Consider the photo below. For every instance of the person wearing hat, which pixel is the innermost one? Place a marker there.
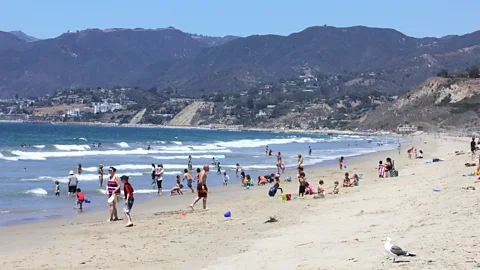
(72, 184)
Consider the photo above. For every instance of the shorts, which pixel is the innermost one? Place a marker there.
(159, 183)
(301, 189)
(79, 204)
(189, 183)
(57, 193)
(129, 206)
(72, 189)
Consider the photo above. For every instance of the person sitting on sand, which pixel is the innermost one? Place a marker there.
(248, 180)
(320, 189)
(355, 180)
(309, 190)
(420, 154)
(336, 188)
(273, 189)
(346, 180)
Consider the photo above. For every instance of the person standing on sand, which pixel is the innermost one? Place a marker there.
(473, 147)
(100, 175)
(300, 163)
(159, 178)
(340, 162)
(202, 188)
(113, 189)
(129, 200)
(237, 166)
(72, 184)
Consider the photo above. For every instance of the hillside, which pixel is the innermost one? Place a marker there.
(189, 115)
(170, 58)
(24, 36)
(438, 102)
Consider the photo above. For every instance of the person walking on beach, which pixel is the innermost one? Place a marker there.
(72, 184)
(202, 188)
(159, 178)
(100, 175)
(113, 189)
(340, 162)
(128, 192)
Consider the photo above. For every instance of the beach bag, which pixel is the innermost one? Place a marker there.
(393, 173)
(272, 191)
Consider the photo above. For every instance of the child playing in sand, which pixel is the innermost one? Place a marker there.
(302, 181)
(80, 199)
(336, 188)
(202, 191)
(274, 188)
(225, 179)
(320, 189)
(355, 180)
(381, 169)
(177, 188)
(128, 191)
(57, 188)
(346, 180)
(309, 190)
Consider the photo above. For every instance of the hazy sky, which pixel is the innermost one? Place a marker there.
(418, 18)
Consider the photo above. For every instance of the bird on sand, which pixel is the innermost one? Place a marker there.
(395, 251)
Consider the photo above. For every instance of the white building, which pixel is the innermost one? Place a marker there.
(106, 107)
(74, 113)
(406, 129)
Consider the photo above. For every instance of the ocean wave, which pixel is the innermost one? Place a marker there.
(138, 151)
(71, 147)
(36, 192)
(39, 146)
(8, 158)
(260, 142)
(4, 212)
(123, 144)
(82, 177)
(81, 139)
(186, 157)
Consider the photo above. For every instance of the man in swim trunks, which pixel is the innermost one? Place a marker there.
(188, 177)
(202, 188)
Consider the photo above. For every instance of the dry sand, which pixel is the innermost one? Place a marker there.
(339, 232)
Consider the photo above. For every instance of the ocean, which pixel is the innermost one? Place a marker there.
(28, 174)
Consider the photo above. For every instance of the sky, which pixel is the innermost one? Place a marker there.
(417, 18)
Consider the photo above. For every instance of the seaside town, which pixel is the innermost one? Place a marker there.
(272, 140)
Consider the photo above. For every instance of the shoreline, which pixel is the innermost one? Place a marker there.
(213, 127)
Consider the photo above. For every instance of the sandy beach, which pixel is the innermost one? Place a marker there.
(339, 232)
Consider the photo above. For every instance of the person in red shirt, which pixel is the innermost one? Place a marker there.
(128, 191)
(80, 199)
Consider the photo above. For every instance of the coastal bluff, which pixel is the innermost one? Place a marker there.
(189, 116)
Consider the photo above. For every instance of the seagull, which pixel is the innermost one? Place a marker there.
(395, 251)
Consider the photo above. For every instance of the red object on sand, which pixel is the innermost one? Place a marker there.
(289, 197)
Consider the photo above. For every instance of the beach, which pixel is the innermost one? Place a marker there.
(341, 231)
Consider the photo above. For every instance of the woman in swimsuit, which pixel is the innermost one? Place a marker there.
(188, 177)
(113, 188)
(159, 178)
(300, 163)
(100, 175)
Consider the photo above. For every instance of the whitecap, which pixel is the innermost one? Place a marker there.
(39, 146)
(123, 144)
(71, 147)
(36, 192)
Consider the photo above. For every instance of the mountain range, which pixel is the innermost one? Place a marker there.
(374, 58)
